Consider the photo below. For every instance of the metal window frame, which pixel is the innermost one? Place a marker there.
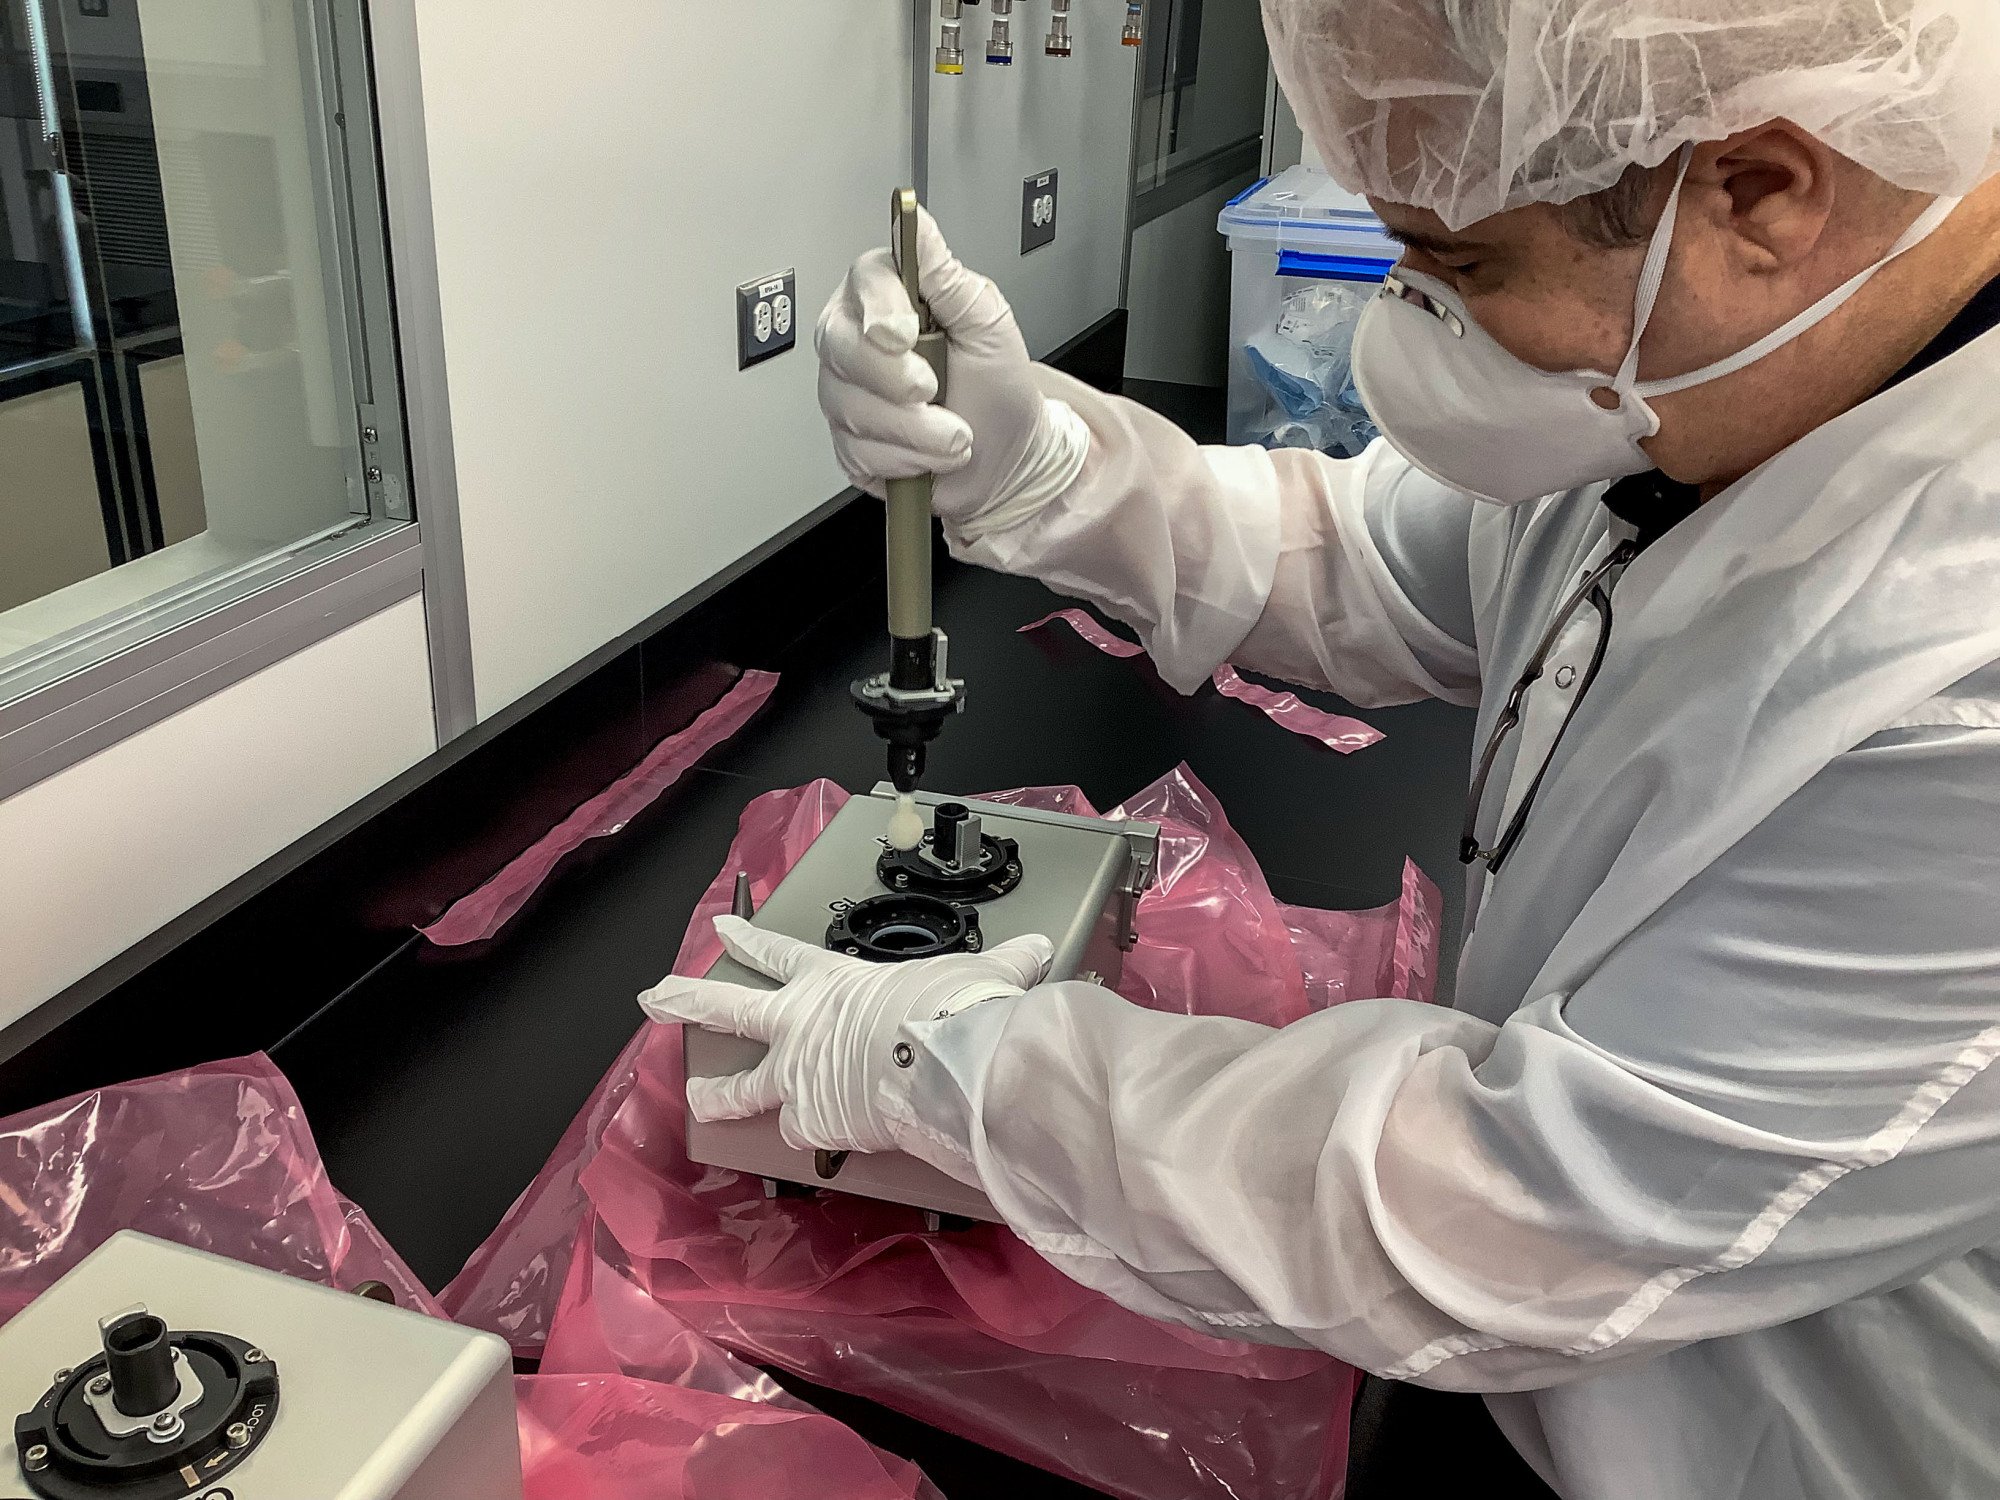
(417, 302)
(115, 677)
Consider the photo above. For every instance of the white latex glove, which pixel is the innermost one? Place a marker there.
(833, 1030)
(1000, 449)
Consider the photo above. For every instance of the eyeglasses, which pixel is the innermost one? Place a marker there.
(1594, 592)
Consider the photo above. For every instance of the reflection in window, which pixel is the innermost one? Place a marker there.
(179, 323)
(1204, 68)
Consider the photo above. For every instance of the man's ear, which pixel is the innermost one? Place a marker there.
(1770, 190)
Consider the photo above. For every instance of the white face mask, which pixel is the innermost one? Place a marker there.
(1477, 418)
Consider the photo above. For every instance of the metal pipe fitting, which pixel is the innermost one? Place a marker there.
(951, 37)
(1058, 44)
(1000, 48)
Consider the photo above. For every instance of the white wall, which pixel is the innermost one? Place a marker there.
(994, 127)
(601, 187)
(118, 845)
(1180, 294)
(599, 192)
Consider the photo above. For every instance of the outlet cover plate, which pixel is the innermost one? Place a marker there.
(1038, 212)
(767, 318)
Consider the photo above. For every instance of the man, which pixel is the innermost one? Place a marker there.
(1700, 1182)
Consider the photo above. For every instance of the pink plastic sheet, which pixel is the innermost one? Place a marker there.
(1356, 955)
(218, 1158)
(1289, 711)
(475, 917)
(613, 1437)
(1091, 631)
(969, 1331)
(1286, 710)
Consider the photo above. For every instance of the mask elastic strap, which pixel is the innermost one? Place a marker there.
(1926, 225)
(1653, 275)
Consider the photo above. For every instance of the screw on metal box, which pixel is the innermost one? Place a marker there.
(828, 1163)
(376, 1291)
(237, 1435)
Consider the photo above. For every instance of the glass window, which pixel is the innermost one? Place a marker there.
(196, 367)
(1205, 67)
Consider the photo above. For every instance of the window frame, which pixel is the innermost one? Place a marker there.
(118, 675)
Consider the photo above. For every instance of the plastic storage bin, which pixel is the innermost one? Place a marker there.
(1306, 256)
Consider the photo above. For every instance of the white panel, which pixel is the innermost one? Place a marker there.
(994, 127)
(115, 847)
(601, 184)
(1180, 294)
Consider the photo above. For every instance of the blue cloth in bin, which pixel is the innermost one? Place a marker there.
(1306, 365)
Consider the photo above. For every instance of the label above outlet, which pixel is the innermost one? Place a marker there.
(1038, 212)
(767, 318)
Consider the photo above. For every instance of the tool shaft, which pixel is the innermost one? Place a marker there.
(909, 519)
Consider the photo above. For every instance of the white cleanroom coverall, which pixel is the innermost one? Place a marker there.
(1704, 1169)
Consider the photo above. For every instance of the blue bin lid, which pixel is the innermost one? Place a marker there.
(1303, 209)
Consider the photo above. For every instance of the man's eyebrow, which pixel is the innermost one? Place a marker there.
(1431, 244)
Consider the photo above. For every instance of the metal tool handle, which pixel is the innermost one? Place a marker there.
(909, 518)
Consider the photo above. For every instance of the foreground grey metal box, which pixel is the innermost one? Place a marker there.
(373, 1403)
(1080, 887)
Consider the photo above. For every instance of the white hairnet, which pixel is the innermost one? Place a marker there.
(1470, 107)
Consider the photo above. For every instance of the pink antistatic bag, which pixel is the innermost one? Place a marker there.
(622, 1249)
(1285, 709)
(219, 1158)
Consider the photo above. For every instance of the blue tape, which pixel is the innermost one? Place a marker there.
(1333, 267)
(1249, 192)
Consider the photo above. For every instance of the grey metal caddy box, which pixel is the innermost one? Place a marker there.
(1081, 883)
(371, 1402)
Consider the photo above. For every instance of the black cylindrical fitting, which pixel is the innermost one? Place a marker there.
(949, 823)
(141, 1363)
(912, 663)
(906, 765)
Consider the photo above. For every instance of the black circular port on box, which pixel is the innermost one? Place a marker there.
(81, 1461)
(899, 928)
(997, 871)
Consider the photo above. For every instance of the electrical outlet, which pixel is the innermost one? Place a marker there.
(1038, 212)
(767, 318)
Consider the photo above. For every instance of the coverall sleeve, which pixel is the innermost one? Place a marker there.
(1776, 1096)
(1345, 574)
